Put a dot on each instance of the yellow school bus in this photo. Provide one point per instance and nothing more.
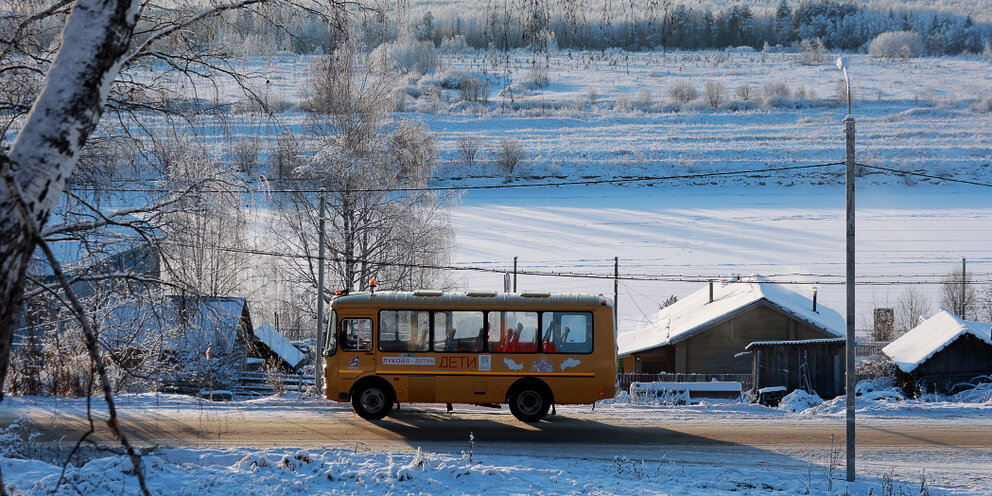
(530, 350)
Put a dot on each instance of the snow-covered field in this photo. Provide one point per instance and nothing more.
(610, 115)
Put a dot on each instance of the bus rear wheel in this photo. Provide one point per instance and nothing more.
(372, 400)
(530, 402)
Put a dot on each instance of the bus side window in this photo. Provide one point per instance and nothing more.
(567, 332)
(513, 332)
(404, 330)
(356, 334)
(458, 331)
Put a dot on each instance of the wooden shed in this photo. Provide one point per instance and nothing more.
(813, 365)
(704, 332)
(940, 352)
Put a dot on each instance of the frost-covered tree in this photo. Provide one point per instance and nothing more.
(381, 222)
(957, 293)
(66, 63)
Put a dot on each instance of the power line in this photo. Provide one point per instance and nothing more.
(928, 176)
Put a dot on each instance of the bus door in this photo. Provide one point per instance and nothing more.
(355, 357)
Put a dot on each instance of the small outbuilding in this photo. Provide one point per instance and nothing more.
(813, 365)
(940, 352)
(704, 332)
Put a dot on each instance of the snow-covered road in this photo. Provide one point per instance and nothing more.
(633, 446)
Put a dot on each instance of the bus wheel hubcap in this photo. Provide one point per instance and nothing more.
(372, 399)
(529, 402)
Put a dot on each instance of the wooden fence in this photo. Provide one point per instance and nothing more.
(260, 384)
(865, 349)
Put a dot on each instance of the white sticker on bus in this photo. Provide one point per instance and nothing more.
(407, 360)
(571, 362)
(510, 364)
(486, 363)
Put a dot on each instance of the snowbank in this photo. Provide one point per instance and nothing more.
(799, 401)
(361, 471)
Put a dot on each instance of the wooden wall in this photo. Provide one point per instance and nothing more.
(783, 365)
(967, 357)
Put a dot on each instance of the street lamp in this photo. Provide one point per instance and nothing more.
(842, 65)
(850, 365)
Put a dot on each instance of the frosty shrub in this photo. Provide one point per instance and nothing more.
(713, 91)
(591, 95)
(746, 92)
(408, 55)
(468, 150)
(877, 366)
(413, 147)
(682, 92)
(456, 45)
(643, 100)
(244, 154)
(984, 104)
(897, 44)
(812, 52)
(273, 376)
(622, 105)
(282, 158)
(508, 155)
(538, 77)
(801, 93)
(778, 90)
(474, 89)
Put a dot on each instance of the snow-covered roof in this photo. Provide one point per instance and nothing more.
(695, 313)
(189, 325)
(934, 334)
(279, 345)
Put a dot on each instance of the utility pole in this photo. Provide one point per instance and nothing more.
(514, 274)
(616, 290)
(964, 277)
(850, 364)
(318, 367)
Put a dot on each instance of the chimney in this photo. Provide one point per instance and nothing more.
(711, 291)
(814, 299)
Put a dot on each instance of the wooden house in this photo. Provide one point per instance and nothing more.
(705, 331)
(940, 352)
(813, 365)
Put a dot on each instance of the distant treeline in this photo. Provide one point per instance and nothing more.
(573, 24)
(606, 24)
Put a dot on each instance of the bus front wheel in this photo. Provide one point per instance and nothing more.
(372, 400)
(530, 402)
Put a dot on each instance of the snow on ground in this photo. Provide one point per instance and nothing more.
(487, 466)
(360, 471)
